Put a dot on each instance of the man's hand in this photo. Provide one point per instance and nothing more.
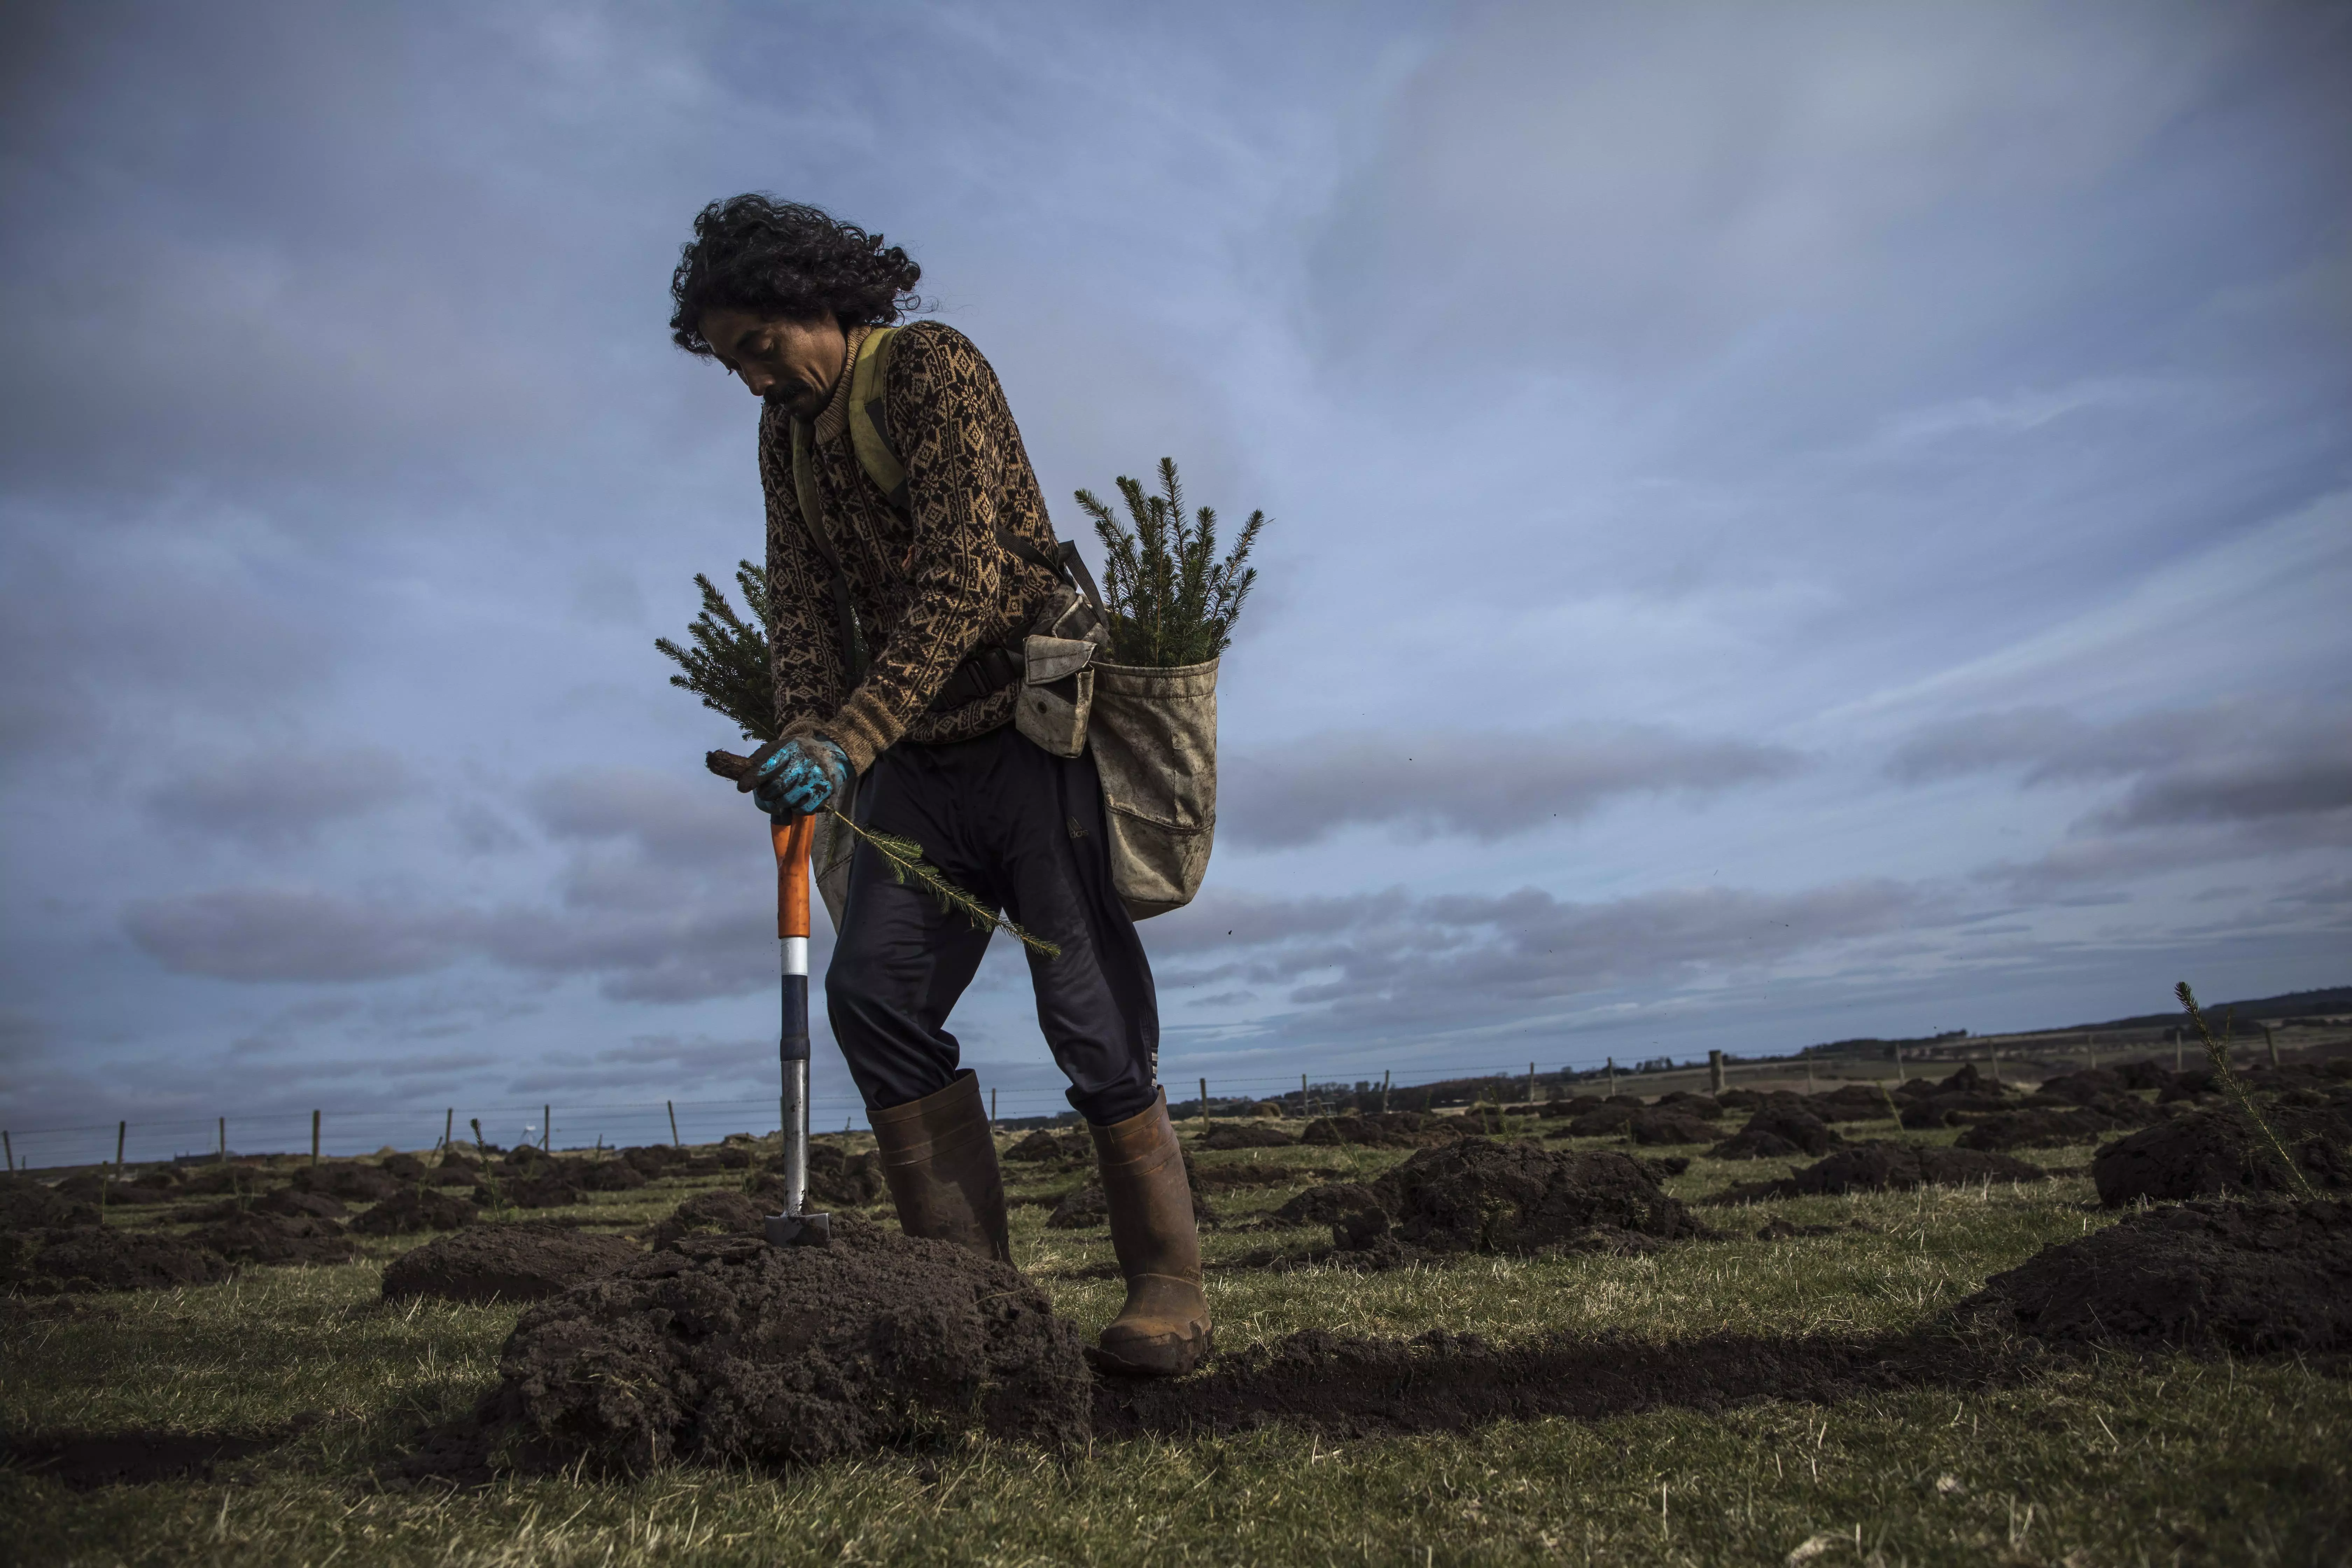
(799, 777)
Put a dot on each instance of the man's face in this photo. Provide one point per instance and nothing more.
(787, 359)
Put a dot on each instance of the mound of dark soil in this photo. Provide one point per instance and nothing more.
(658, 1159)
(2084, 1086)
(1044, 1148)
(293, 1203)
(2202, 1154)
(29, 1205)
(347, 1180)
(1789, 1119)
(715, 1214)
(1244, 1135)
(1705, 1107)
(1388, 1130)
(1850, 1102)
(415, 1209)
(403, 1167)
(101, 1258)
(1671, 1126)
(853, 1180)
(1952, 1109)
(1574, 1105)
(1606, 1122)
(275, 1239)
(1753, 1143)
(553, 1187)
(507, 1262)
(607, 1175)
(1477, 1195)
(83, 1461)
(732, 1351)
(1877, 1167)
(2207, 1274)
(2052, 1129)
(1327, 1205)
(213, 1179)
(92, 1186)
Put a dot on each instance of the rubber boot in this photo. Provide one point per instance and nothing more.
(939, 1156)
(1163, 1329)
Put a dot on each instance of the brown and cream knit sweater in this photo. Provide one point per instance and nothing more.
(930, 586)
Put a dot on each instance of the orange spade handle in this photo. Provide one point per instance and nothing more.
(792, 842)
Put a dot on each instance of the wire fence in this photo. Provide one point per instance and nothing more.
(346, 1131)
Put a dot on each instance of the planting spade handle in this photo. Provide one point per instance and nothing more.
(792, 841)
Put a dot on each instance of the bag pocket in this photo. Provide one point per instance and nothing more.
(1057, 693)
(1154, 737)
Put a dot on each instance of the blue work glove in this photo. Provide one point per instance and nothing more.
(800, 776)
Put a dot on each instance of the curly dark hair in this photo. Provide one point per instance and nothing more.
(755, 253)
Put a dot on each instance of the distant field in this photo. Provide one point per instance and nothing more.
(2016, 1457)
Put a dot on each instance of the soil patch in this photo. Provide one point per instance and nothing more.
(550, 1188)
(2042, 1129)
(1385, 1129)
(83, 1461)
(608, 1175)
(730, 1351)
(714, 1214)
(103, 1258)
(1244, 1135)
(1478, 1195)
(351, 1182)
(1043, 1148)
(1888, 1167)
(2210, 1274)
(415, 1209)
(1327, 1205)
(507, 1263)
(277, 1239)
(27, 1205)
(1671, 1126)
(2202, 1154)
(1754, 1143)
(1349, 1387)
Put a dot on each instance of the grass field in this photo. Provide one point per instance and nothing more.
(2115, 1459)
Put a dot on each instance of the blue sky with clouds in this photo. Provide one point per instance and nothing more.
(1788, 521)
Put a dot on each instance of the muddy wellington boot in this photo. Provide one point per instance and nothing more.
(1163, 1329)
(939, 1157)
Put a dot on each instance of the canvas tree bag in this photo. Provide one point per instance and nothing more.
(1153, 732)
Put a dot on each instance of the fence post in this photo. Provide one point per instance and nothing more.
(2270, 1043)
(11, 1150)
(1715, 1072)
(1531, 1083)
(1384, 1090)
(1612, 1077)
(1204, 1102)
(223, 1140)
(314, 1138)
(121, 1132)
(674, 1140)
(546, 1129)
(448, 1125)
(1305, 1110)
(992, 1111)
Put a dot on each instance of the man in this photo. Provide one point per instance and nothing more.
(945, 579)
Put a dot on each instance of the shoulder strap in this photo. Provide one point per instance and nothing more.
(804, 491)
(869, 421)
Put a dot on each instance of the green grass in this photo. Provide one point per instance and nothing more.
(2120, 1461)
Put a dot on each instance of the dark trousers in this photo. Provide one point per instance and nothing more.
(1023, 830)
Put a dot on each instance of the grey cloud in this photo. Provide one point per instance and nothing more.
(286, 934)
(1482, 786)
(1389, 960)
(705, 824)
(2312, 781)
(273, 800)
(2050, 745)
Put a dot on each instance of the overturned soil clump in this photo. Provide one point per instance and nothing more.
(1384, 1130)
(2206, 1275)
(27, 1205)
(101, 1258)
(1478, 1195)
(277, 1239)
(1888, 1168)
(730, 1351)
(415, 1209)
(714, 1214)
(2203, 1153)
(507, 1263)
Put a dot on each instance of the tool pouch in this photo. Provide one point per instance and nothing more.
(1154, 734)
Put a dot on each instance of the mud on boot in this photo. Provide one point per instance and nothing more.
(938, 1158)
(1163, 1329)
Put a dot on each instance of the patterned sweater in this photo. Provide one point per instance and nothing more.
(929, 588)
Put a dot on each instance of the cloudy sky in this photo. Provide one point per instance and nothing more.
(1790, 522)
